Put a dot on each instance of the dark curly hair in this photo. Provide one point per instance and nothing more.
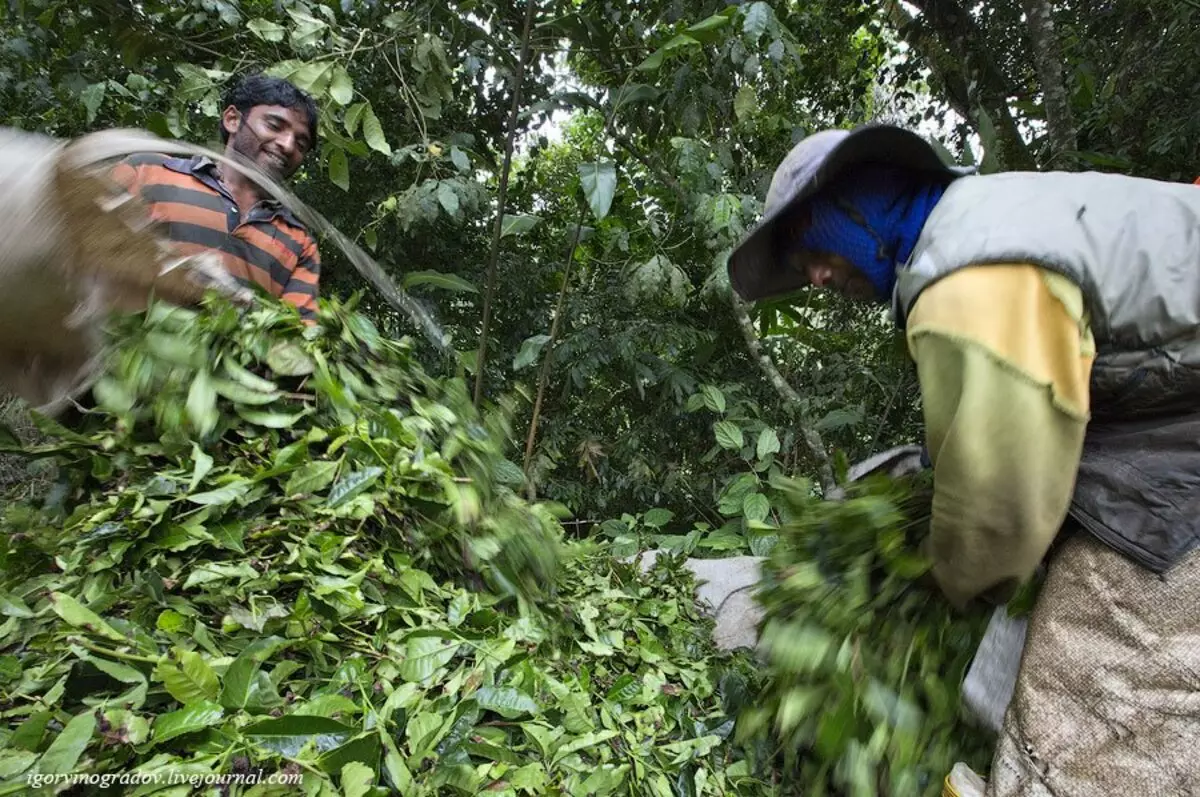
(260, 89)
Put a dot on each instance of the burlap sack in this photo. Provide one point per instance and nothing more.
(1108, 697)
(73, 249)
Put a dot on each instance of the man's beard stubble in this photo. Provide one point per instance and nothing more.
(247, 144)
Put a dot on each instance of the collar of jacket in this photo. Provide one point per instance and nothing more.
(204, 169)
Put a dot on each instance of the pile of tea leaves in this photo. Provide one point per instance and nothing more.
(274, 549)
(865, 657)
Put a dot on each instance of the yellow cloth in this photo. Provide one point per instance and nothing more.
(1004, 356)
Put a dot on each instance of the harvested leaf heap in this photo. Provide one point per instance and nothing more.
(865, 656)
(279, 549)
(274, 548)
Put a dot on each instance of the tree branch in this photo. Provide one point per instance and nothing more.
(660, 173)
(544, 376)
(972, 65)
(501, 196)
(791, 399)
(942, 63)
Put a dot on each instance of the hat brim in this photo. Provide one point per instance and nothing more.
(755, 270)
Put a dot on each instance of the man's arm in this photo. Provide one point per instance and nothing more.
(1004, 357)
(302, 287)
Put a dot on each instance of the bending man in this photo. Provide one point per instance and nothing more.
(1055, 324)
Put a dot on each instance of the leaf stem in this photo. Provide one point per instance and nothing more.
(116, 654)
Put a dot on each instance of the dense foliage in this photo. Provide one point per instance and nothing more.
(655, 126)
(643, 136)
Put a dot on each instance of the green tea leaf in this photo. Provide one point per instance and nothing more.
(768, 443)
(635, 93)
(92, 98)
(14, 762)
(518, 224)
(675, 44)
(702, 30)
(76, 614)
(241, 394)
(436, 279)
(341, 87)
(729, 436)
(255, 618)
(757, 17)
(126, 726)
(288, 359)
(328, 706)
(270, 420)
(289, 734)
(448, 197)
(373, 131)
(311, 478)
(657, 518)
(216, 572)
(531, 349)
(187, 677)
(353, 117)
(397, 771)
(171, 621)
(339, 169)
(222, 495)
(189, 719)
(12, 606)
(356, 779)
(266, 30)
(29, 734)
(582, 743)
(203, 465)
(202, 404)
(506, 701)
(838, 419)
(64, 752)
(243, 684)
(121, 672)
(423, 656)
(352, 485)
(714, 399)
(756, 507)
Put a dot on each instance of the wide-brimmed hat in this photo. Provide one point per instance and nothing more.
(755, 269)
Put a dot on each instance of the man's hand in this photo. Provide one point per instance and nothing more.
(117, 243)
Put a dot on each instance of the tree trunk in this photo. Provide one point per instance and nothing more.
(969, 65)
(945, 69)
(1060, 126)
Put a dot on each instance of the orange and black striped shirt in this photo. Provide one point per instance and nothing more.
(269, 247)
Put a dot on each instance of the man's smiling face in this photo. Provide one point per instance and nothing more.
(276, 138)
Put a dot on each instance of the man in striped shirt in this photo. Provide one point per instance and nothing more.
(204, 206)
